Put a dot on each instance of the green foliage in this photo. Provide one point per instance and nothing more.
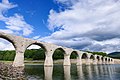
(73, 55)
(35, 54)
(39, 54)
(115, 55)
(58, 54)
(98, 53)
(7, 55)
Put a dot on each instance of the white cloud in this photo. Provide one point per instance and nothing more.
(15, 24)
(5, 5)
(36, 37)
(97, 21)
(6, 31)
(3, 44)
(34, 47)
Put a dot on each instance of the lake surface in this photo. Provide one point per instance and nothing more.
(73, 72)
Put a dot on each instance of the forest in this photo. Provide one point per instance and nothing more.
(39, 54)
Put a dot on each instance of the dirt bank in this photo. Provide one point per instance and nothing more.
(116, 61)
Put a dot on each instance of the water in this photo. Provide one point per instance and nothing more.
(73, 72)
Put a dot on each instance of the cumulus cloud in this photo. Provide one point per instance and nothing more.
(36, 37)
(3, 44)
(15, 24)
(96, 21)
(34, 47)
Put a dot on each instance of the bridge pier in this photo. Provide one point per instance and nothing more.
(103, 60)
(66, 60)
(79, 59)
(106, 61)
(88, 59)
(19, 59)
(100, 60)
(48, 59)
(95, 60)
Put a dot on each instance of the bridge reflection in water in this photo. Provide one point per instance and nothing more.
(73, 72)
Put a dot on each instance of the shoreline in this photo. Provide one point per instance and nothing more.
(60, 61)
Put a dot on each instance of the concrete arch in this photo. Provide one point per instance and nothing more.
(102, 58)
(16, 42)
(38, 50)
(76, 58)
(106, 59)
(85, 59)
(92, 57)
(98, 58)
(35, 43)
(9, 39)
(75, 53)
(21, 44)
(60, 48)
(60, 55)
(109, 59)
(84, 56)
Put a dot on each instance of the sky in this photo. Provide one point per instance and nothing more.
(79, 24)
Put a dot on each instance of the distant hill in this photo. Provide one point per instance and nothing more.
(115, 55)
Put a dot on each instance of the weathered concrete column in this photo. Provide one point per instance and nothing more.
(20, 49)
(67, 57)
(95, 60)
(66, 60)
(103, 60)
(88, 59)
(79, 60)
(67, 75)
(107, 62)
(19, 58)
(100, 60)
(110, 62)
(48, 58)
(48, 71)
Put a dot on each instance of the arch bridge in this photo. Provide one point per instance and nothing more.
(21, 44)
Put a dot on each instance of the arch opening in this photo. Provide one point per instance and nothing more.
(102, 58)
(105, 59)
(7, 49)
(84, 58)
(98, 58)
(74, 57)
(109, 60)
(92, 57)
(58, 56)
(35, 53)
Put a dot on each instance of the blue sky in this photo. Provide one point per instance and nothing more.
(80, 24)
(34, 13)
